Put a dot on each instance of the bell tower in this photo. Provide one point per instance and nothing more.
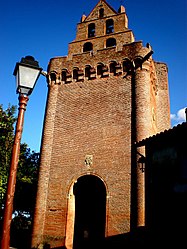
(104, 96)
(101, 29)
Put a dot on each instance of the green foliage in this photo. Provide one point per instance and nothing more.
(7, 120)
(26, 184)
(26, 180)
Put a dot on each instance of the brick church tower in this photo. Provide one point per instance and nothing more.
(104, 96)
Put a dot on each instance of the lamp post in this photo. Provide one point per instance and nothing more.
(27, 72)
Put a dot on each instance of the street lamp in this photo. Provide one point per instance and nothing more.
(27, 72)
(141, 162)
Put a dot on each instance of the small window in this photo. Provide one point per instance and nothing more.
(100, 69)
(138, 62)
(111, 42)
(87, 72)
(127, 66)
(53, 76)
(101, 13)
(109, 26)
(75, 74)
(113, 68)
(88, 46)
(91, 30)
(64, 75)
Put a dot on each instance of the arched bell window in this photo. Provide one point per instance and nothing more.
(109, 26)
(110, 42)
(91, 30)
(88, 46)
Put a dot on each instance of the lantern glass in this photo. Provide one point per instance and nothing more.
(27, 73)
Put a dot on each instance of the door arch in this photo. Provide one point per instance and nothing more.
(90, 212)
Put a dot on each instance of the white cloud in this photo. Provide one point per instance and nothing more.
(179, 117)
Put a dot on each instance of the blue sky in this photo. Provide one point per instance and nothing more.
(43, 29)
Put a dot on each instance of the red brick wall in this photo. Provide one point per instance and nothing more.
(163, 102)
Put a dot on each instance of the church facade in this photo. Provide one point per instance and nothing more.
(106, 95)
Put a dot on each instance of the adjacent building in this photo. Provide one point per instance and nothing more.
(165, 169)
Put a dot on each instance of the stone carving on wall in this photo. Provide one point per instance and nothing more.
(88, 160)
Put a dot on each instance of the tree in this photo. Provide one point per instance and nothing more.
(26, 184)
(26, 180)
(7, 120)
(24, 199)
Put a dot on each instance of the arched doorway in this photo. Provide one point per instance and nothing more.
(90, 212)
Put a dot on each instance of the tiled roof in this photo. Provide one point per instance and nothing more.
(180, 128)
